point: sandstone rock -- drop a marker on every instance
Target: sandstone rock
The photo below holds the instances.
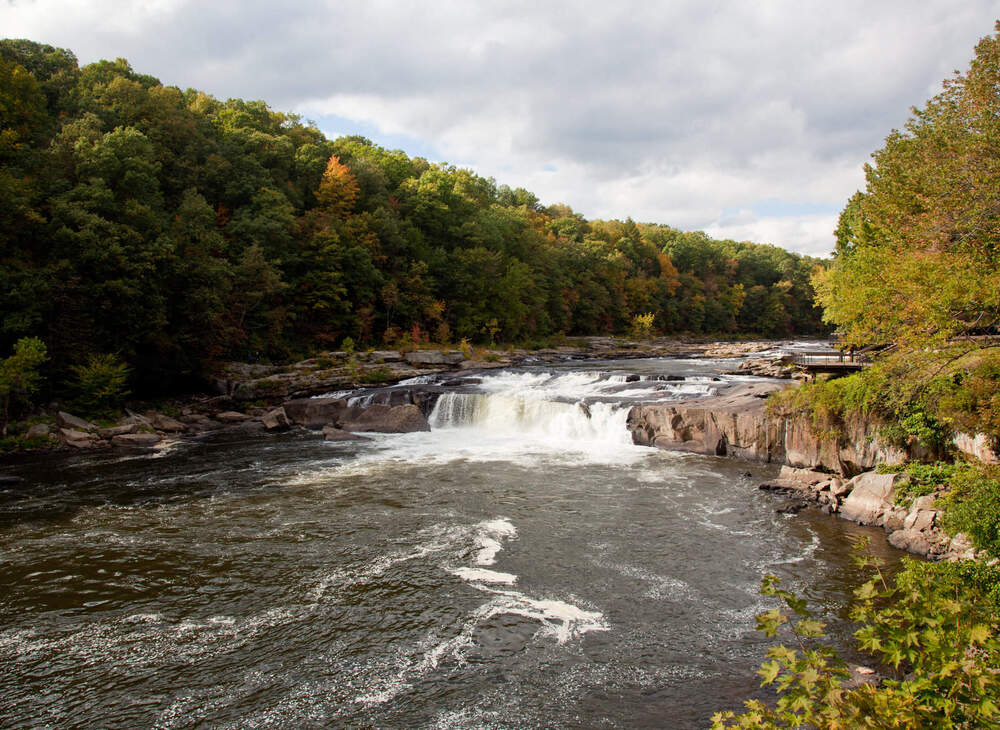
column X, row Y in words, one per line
column 805, row 477
column 109, row 433
column 332, row 433
column 276, row 420
column 979, row 446
column 433, row 357
column 386, row 419
column 912, row 541
column 920, row 520
column 315, row 412
column 838, row 487
column 39, row 429
column 136, row 439
column 71, row 434
column 232, row 417
column 870, row 498
column 162, row 422
column 68, row 420
column 895, row 519
column 385, row 356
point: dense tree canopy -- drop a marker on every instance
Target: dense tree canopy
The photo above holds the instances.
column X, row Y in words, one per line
column 174, row 230
column 918, row 252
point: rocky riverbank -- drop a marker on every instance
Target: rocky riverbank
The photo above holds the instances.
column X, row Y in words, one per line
column 250, row 397
column 834, row 472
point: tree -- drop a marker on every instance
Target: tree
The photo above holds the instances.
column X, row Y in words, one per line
column 19, row 376
column 918, row 252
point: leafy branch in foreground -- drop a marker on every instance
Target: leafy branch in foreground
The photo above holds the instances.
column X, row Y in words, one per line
column 931, row 629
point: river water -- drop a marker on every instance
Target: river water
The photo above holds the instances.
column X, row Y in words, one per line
column 521, row 565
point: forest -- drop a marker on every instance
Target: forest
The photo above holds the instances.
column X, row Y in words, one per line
column 164, row 231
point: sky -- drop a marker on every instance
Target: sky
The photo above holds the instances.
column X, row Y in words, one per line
column 748, row 120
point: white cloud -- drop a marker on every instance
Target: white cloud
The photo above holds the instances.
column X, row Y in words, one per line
column 670, row 112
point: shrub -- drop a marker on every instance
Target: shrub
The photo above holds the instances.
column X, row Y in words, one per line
column 931, row 627
column 20, row 376
column 101, row 385
column 973, row 507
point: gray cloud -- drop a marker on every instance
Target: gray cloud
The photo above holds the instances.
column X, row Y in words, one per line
column 676, row 112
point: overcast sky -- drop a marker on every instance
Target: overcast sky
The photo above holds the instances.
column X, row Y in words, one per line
column 749, row 120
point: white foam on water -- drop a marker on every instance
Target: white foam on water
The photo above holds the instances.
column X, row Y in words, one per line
column 489, row 537
column 482, row 575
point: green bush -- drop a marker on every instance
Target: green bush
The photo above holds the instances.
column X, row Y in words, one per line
column 973, row 507
column 100, row 386
column 931, row 628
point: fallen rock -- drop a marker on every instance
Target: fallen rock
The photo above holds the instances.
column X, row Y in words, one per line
column 162, row 422
column 386, row 419
column 136, row 439
column 276, row 420
column 911, row 540
column 315, row 412
column 110, row 433
column 68, row 420
column 870, row 498
column 332, row 433
column 232, row 417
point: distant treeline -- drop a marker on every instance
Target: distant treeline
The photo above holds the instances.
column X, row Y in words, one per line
column 173, row 230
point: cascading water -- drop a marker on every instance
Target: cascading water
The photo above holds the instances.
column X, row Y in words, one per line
column 522, row 564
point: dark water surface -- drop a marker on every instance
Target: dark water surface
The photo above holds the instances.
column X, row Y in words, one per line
column 519, row 566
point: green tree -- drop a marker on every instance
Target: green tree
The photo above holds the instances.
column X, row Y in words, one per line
column 20, row 376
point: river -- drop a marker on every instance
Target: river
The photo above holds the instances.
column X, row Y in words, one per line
column 520, row 565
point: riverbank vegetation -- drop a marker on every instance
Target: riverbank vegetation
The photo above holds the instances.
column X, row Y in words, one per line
column 171, row 231
column 917, row 270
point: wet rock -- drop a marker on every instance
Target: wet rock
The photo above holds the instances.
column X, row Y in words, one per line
column 276, row 420
column 386, row 419
column 633, row 378
column 68, row 420
column 792, row 507
column 136, row 439
column 332, row 433
column 163, row 422
column 231, row 417
column 110, row 433
column 315, row 412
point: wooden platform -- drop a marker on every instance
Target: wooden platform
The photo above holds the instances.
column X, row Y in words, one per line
column 831, row 362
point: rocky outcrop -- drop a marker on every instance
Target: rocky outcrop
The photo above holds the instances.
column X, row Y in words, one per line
column 385, row 419
column 738, row 424
column 318, row 413
column 980, row 447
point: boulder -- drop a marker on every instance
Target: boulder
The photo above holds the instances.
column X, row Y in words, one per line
column 870, row 498
column 68, row 420
column 315, row 412
column 162, row 422
column 136, row 439
column 332, row 433
column 109, row 433
column 39, row 429
column 912, row 541
column 232, row 417
column 71, row 434
column 805, row 477
column 433, row 357
column 385, row 419
column 276, row 420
